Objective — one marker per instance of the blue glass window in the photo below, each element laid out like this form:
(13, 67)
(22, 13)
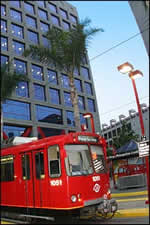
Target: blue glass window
(42, 14)
(3, 26)
(88, 88)
(15, 15)
(20, 66)
(30, 21)
(76, 72)
(81, 103)
(91, 105)
(48, 114)
(4, 44)
(45, 41)
(52, 7)
(65, 81)
(85, 72)
(41, 3)
(78, 85)
(83, 120)
(33, 37)
(4, 59)
(70, 118)
(39, 93)
(37, 72)
(13, 130)
(67, 99)
(3, 10)
(16, 110)
(29, 8)
(44, 27)
(22, 89)
(73, 18)
(64, 13)
(54, 96)
(17, 31)
(52, 77)
(55, 20)
(66, 25)
(15, 3)
(18, 47)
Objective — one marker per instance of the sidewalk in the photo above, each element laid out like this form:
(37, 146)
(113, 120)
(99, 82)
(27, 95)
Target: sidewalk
(131, 201)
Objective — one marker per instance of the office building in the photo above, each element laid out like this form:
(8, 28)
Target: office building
(113, 129)
(41, 107)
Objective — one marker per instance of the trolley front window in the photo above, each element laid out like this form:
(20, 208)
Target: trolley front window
(98, 159)
(78, 161)
(7, 168)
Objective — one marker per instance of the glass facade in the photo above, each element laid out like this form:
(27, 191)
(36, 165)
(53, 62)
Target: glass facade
(31, 22)
(15, 15)
(3, 10)
(3, 26)
(33, 37)
(24, 23)
(42, 14)
(17, 31)
(54, 96)
(39, 92)
(20, 66)
(67, 99)
(48, 114)
(18, 47)
(16, 110)
(37, 72)
(22, 89)
(44, 27)
(4, 44)
(29, 8)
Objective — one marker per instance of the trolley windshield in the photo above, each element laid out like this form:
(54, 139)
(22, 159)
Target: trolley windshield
(78, 161)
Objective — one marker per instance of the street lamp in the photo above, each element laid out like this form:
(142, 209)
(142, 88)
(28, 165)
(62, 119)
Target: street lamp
(128, 68)
(90, 115)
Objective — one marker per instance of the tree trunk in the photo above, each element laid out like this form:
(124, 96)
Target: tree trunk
(74, 99)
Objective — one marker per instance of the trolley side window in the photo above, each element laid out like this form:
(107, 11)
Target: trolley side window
(39, 165)
(7, 168)
(25, 167)
(98, 159)
(54, 161)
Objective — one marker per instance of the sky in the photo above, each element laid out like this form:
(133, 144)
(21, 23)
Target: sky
(114, 91)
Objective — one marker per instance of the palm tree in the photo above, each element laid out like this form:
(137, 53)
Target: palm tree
(9, 81)
(66, 52)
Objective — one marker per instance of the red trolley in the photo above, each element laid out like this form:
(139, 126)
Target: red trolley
(56, 176)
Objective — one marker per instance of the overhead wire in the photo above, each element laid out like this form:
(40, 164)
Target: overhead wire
(118, 44)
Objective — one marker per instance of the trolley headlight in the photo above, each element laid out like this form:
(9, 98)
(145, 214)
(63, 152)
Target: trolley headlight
(73, 198)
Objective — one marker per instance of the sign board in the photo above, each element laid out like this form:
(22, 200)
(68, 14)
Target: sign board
(143, 147)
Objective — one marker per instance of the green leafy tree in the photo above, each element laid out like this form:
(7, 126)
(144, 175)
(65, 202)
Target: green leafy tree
(126, 134)
(9, 81)
(66, 52)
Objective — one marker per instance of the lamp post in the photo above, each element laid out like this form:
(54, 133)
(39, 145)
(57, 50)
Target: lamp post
(90, 115)
(128, 68)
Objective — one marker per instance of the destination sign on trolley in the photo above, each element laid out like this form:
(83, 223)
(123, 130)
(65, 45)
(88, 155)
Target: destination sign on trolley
(143, 148)
(84, 138)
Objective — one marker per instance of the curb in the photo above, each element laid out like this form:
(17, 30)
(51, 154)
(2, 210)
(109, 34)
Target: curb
(140, 212)
(129, 194)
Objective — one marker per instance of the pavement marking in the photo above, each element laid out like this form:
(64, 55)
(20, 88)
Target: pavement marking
(131, 199)
(129, 194)
(132, 212)
(6, 222)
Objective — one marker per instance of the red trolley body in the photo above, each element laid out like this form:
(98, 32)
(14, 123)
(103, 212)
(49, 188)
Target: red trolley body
(62, 173)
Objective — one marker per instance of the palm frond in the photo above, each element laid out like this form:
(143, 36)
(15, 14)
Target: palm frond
(9, 81)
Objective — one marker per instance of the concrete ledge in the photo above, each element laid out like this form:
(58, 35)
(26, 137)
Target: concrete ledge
(132, 212)
(123, 194)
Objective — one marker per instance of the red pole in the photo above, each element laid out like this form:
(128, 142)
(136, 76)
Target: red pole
(142, 132)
